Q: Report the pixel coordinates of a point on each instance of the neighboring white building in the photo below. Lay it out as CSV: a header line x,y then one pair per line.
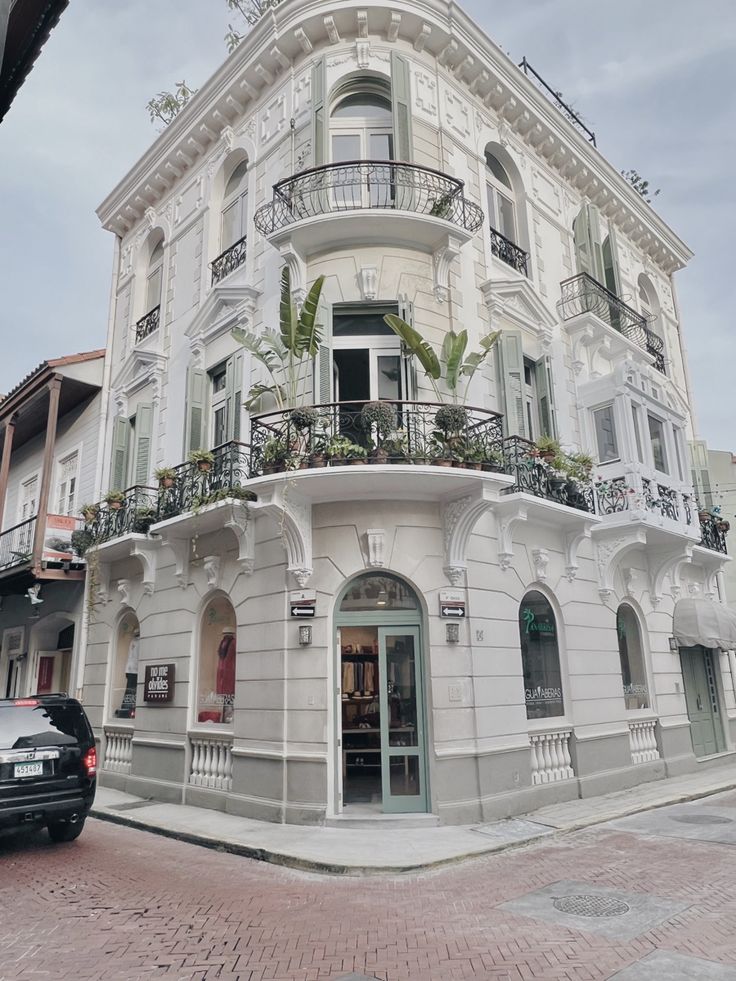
x,y
50,428
560,680
714,480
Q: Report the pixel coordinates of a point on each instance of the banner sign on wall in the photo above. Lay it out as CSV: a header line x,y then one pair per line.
x,y
57,541
158,687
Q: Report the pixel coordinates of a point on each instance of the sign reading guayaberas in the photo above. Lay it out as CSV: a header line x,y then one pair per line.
x,y
302,603
158,687
452,604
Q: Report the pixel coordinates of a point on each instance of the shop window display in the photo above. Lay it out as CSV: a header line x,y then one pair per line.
x,y
633,673
540,657
217,655
125,669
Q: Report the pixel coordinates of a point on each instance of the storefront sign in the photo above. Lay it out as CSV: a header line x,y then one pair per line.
x,y
452,604
158,686
302,603
57,541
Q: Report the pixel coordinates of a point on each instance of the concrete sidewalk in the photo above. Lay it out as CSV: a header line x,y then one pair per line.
x,y
392,848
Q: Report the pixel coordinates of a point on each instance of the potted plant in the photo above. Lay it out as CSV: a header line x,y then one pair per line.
x,y
275,454
548,448
475,455
337,450
202,459
115,500
89,512
143,519
396,446
356,455
304,417
451,419
556,472
441,452
493,460
378,419
82,539
166,477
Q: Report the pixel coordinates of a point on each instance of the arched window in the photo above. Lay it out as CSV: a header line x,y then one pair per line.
x,y
235,207
361,123
540,658
155,277
501,201
125,668
217,655
633,672
378,593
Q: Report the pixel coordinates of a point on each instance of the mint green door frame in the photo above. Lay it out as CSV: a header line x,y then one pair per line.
x,y
399,623
701,696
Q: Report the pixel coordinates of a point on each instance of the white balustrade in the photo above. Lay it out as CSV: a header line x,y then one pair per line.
x,y
551,756
643,741
118,749
212,762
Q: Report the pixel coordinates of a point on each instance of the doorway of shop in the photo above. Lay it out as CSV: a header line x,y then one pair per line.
x,y
701,696
381,729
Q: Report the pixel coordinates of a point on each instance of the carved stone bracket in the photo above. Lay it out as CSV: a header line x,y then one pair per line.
x,y
459,518
444,256
240,522
293,515
146,552
376,538
573,541
664,564
508,515
540,560
297,267
610,551
212,570
182,549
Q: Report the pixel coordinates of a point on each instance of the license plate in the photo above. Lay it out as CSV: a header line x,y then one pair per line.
x,y
28,770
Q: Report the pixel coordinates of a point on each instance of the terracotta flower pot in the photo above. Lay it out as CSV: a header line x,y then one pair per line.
x,y
167,482
442,463
318,460
115,505
204,466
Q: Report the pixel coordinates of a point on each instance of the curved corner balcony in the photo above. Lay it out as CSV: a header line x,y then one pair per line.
x,y
368,202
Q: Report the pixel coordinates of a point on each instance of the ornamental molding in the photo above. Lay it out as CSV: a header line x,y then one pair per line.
x,y
292,514
508,515
238,519
664,563
182,550
225,307
444,257
213,570
376,541
540,561
573,541
516,302
142,367
610,549
146,551
459,518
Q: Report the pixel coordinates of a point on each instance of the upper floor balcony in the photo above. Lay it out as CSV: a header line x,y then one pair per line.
x,y
368,202
599,314
229,260
148,324
510,253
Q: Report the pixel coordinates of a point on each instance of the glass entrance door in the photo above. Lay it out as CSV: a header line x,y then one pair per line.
x,y
701,695
403,765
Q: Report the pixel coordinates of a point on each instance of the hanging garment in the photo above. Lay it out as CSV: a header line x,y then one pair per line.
x,y
225,682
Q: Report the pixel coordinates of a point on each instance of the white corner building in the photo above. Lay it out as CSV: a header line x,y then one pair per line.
x,y
395,629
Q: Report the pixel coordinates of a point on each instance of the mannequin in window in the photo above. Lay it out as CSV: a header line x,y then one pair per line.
x,y
127,708
225,681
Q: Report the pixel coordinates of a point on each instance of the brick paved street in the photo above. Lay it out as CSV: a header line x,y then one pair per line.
x,y
125,904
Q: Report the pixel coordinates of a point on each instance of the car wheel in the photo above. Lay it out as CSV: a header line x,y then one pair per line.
x,y
64,831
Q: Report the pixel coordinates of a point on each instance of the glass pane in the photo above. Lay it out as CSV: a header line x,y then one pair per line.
x,y
220,433
230,226
153,295
491,197
381,187
389,377
125,671
680,472
380,146
378,593
605,433
405,780
656,436
506,218
402,690
346,148
497,170
540,658
633,675
364,105
217,656
355,321
637,434
237,178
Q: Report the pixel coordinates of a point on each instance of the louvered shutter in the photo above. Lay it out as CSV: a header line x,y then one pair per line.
x,y
588,248
323,384
143,437
319,113
401,96
234,383
120,449
512,382
545,397
610,261
408,362
196,410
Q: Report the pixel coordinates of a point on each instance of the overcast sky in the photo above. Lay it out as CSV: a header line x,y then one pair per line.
x,y
654,78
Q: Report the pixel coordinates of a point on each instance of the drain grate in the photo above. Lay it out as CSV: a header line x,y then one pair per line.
x,y
587,905
702,819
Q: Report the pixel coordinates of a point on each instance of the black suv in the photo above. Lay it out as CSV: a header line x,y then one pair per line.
x,y
48,765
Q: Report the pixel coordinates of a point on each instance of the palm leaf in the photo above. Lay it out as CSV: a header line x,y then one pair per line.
x,y
254,343
258,391
454,357
415,343
490,340
309,337
287,313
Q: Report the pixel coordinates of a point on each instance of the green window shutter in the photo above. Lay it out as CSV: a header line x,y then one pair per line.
x,y
319,113
323,385
401,97
234,383
143,436
408,362
611,268
196,410
511,365
594,224
588,250
120,450
545,397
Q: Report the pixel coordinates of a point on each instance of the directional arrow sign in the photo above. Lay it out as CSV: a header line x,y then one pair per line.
x,y
453,611
302,611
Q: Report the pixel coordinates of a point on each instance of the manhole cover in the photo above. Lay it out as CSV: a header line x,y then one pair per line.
x,y
590,905
702,819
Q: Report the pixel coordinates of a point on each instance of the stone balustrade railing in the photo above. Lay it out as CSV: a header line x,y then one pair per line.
x,y
212,761
118,749
551,759
643,741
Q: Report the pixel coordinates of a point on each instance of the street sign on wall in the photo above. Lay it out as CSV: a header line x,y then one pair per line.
x,y
452,604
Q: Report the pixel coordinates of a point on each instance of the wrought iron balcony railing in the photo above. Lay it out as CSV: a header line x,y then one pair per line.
x,y
504,249
533,476
198,484
148,325
713,533
583,294
134,514
16,544
367,185
343,433
229,260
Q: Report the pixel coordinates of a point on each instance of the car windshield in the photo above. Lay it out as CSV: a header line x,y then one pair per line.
x,y
23,726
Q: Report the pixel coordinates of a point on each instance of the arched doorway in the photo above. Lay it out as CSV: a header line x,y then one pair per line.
x,y
51,647
381,710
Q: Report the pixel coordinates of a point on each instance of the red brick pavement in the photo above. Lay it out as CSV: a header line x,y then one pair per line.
x,y
123,905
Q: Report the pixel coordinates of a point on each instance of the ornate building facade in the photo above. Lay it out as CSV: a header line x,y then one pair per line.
x,y
355,609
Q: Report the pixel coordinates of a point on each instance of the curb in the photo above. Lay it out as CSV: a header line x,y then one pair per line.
x,y
334,868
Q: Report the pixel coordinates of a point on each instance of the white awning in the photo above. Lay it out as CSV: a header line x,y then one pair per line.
x,y
704,622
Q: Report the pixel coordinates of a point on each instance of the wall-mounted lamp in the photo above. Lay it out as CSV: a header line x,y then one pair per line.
x,y
452,633
305,634
674,646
